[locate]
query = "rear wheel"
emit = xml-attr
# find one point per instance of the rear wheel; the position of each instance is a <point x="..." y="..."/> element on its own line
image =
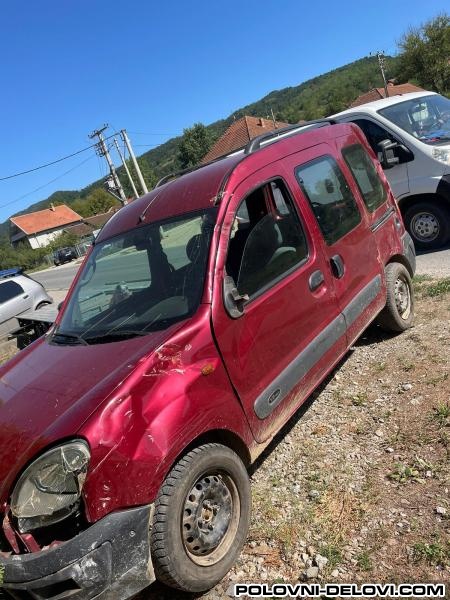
<point x="201" y="518"/>
<point x="428" y="224"/>
<point x="398" y="314"/>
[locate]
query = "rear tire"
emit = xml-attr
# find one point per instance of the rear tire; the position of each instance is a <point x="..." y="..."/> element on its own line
<point x="201" y="518"/>
<point x="398" y="314"/>
<point x="428" y="224"/>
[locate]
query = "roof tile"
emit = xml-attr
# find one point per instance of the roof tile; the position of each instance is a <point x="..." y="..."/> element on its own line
<point x="379" y="93"/>
<point x="240" y="133"/>
<point x="47" y="219"/>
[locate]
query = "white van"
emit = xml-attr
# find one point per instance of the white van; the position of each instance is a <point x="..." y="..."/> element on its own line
<point x="416" y="158"/>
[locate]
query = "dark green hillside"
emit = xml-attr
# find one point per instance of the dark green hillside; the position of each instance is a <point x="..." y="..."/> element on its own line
<point x="318" y="97"/>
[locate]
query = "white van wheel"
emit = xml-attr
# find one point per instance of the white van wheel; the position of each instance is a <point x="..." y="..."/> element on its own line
<point x="428" y="224"/>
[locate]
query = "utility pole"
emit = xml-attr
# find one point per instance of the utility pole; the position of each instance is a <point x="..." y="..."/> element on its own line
<point x="113" y="184"/>
<point x="380" y="56"/>
<point x="135" y="162"/>
<point x="125" y="166"/>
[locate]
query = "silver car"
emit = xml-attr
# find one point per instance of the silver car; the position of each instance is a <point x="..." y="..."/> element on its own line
<point x="19" y="293"/>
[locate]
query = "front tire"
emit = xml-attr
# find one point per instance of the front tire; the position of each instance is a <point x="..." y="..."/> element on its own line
<point x="201" y="518"/>
<point x="428" y="224"/>
<point x="398" y="313"/>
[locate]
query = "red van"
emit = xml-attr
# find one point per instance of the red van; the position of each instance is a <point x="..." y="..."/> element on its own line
<point x="205" y="314"/>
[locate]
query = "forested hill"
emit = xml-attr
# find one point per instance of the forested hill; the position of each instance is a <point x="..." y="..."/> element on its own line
<point x="317" y="97"/>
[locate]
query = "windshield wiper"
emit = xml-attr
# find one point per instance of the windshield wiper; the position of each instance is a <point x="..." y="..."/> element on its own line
<point x="68" y="339"/>
<point x="112" y="335"/>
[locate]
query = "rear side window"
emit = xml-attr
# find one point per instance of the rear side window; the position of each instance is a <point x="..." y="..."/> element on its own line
<point x="363" y="170"/>
<point x="9" y="290"/>
<point x="267" y="239"/>
<point x="330" y="197"/>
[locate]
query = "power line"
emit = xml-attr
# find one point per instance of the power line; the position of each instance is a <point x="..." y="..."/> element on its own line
<point x="145" y="133"/>
<point x="53" y="162"/>
<point x="48" y="183"/>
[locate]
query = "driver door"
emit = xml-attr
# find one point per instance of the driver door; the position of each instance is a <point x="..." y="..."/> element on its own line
<point x="286" y="328"/>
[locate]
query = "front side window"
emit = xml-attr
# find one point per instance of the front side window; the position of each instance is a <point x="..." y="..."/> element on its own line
<point x="426" y="118"/>
<point x="330" y="197"/>
<point x="363" y="170"/>
<point x="140" y="281"/>
<point x="267" y="239"/>
<point x="9" y="290"/>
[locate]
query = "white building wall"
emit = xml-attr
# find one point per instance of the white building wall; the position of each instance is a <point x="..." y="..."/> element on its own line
<point x="40" y="240"/>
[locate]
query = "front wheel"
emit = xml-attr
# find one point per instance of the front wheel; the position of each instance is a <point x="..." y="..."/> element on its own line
<point x="428" y="224"/>
<point x="398" y="314"/>
<point x="201" y="518"/>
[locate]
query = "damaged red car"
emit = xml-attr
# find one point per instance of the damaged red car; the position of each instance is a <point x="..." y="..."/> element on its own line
<point x="205" y="314"/>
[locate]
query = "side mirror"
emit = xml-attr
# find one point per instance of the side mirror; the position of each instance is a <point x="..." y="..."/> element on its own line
<point x="386" y="150"/>
<point x="233" y="300"/>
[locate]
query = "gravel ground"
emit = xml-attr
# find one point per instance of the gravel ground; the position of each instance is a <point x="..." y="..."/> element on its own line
<point x="356" y="487"/>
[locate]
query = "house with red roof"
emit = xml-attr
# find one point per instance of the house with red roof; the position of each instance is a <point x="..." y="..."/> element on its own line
<point x="43" y="226"/>
<point x="379" y="93"/>
<point x="239" y="134"/>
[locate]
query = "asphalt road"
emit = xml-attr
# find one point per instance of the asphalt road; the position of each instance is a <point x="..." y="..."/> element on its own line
<point x="435" y="263"/>
<point x="57" y="278"/>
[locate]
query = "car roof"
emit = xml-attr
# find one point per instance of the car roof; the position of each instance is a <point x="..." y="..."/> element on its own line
<point x="201" y="188"/>
<point x="377" y="105"/>
<point x="191" y="192"/>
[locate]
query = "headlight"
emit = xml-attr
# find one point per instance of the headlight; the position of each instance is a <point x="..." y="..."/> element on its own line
<point x="442" y="155"/>
<point x="50" y="488"/>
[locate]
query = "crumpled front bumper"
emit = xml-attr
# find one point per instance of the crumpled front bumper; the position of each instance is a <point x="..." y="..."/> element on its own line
<point x="109" y="561"/>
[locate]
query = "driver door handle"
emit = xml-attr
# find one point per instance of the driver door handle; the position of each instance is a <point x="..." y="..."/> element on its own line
<point x="315" y="280"/>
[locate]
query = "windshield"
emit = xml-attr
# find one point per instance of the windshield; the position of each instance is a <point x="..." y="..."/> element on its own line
<point x="426" y="118"/>
<point x="143" y="280"/>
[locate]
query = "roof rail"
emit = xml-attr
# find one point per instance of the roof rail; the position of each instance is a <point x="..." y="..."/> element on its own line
<point x="251" y="147"/>
<point x="255" y="144"/>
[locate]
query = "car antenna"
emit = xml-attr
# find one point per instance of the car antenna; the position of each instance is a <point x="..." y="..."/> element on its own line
<point x="142" y="215"/>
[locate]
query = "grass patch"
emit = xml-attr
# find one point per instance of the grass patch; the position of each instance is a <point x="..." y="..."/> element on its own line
<point x="404" y="473"/>
<point x="434" y="554"/>
<point x="332" y="553"/>
<point x="364" y="561"/>
<point x="437" y="288"/>
<point x="359" y="399"/>
<point x="421" y="278"/>
<point x="441" y="413"/>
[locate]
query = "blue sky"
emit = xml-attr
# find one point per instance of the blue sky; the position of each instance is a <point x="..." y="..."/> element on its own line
<point x="154" y="68"/>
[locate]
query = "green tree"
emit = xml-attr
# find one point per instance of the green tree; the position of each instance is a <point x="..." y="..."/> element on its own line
<point x="97" y="202"/>
<point x="195" y="143"/>
<point x="426" y="54"/>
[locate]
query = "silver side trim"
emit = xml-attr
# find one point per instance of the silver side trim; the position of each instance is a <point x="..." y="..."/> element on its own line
<point x="361" y="301"/>
<point x="285" y="382"/>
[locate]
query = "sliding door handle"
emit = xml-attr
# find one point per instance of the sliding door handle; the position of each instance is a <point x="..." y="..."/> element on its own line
<point x="337" y="266"/>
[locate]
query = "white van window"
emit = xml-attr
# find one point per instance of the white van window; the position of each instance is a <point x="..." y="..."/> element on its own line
<point x="426" y="118"/>
<point x="363" y="170"/>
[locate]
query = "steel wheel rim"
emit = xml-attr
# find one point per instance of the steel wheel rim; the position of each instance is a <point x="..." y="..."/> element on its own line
<point x="402" y="296"/>
<point x="425" y="227"/>
<point x="210" y="518"/>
